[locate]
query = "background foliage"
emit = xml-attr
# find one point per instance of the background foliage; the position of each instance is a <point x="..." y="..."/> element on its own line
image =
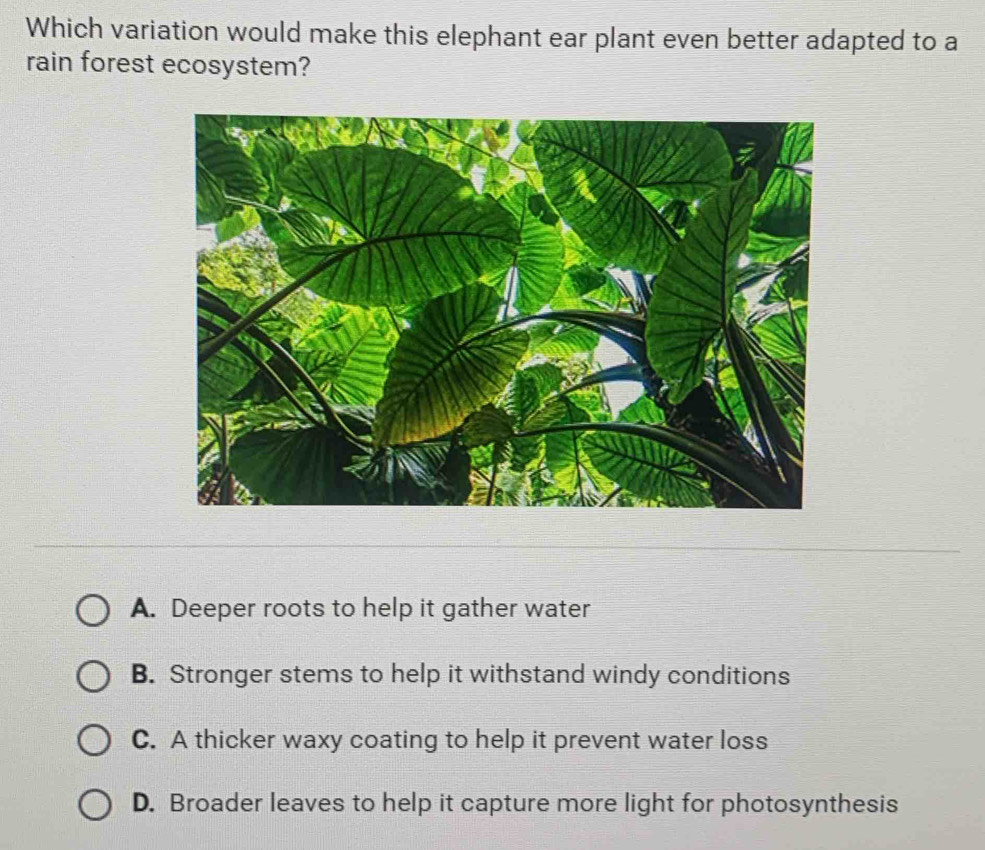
<point x="496" y="312"/>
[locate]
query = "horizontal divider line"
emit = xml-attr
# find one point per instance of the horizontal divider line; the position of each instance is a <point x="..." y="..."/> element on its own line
<point x="538" y="546"/>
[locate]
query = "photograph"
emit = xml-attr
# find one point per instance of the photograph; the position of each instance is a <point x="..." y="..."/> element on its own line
<point x="501" y="312"/>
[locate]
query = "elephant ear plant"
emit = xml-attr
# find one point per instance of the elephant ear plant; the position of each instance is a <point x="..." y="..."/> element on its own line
<point x="427" y="311"/>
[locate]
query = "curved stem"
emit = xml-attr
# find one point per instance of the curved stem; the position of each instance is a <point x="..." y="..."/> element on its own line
<point x="264" y="367"/>
<point x="246" y="203"/>
<point x="214" y="305"/>
<point x="206" y="350"/>
<point x="643" y="289"/>
<point x="626" y="372"/>
<point x="215" y="430"/>
<point x="633" y="326"/>
<point x="594" y="319"/>
<point x="217" y="482"/>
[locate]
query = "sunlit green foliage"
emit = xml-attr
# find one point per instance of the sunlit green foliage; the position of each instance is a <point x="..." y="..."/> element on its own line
<point x="495" y="312"/>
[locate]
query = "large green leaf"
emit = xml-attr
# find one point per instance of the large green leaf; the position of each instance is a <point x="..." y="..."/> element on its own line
<point x="417" y="229"/>
<point x="273" y="154"/>
<point x="785" y="207"/>
<point x="224" y="171"/>
<point x="647" y="469"/>
<point x="439" y="375"/>
<point x="602" y="177"/>
<point x="692" y="297"/>
<point x="522" y="397"/>
<point x="644" y="467"/>
<point x="643" y="411"/>
<point x="211" y="126"/>
<point x="523" y="402"/>
<point x="210" y="198"/>
<point x="547" y="376"/>
<point x="536" y="270"/>
<point x="353" y="337"/>
<point x="588" y="280"/>
<point x="303" y="467"/>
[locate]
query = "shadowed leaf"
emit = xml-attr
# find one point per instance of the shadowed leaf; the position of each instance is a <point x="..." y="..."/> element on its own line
<point x="692" y="297"/>
<point x="785" y="208"/>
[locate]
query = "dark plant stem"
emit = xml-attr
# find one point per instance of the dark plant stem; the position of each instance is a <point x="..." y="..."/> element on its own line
<point x="610" y="497"/>
<point x="628" y="372"/>
<point x="214" y="305"/>
<point x="491" y="492"/>
<point x="761" y="406"/>
<point x="642" y="288"/>
<point x="206" y="350"/>
<point x="218" y="478"/>
<point x="700" y="415"/>
<point x="264" y="367"/>
<point x="214" y="427"/>
<point x="226" y="488"/>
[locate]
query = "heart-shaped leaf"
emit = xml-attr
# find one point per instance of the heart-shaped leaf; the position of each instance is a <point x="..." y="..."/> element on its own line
<point x="439" y="374"/>
<point x="603" y="177"/>
<point x="692" y="297"/>
<point x="415" y="228"/>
